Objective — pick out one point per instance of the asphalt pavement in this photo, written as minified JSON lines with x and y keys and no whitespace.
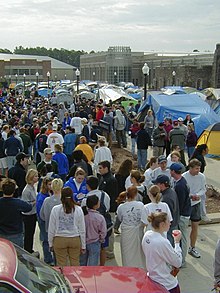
{"x":197,"y":276}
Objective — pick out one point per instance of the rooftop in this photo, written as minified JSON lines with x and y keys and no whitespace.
{"x":55,"y":64}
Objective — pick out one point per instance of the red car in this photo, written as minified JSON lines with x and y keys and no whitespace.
{"x":22,"y":272}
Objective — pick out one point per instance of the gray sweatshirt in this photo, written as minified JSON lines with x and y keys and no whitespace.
{"x":46,"y":209}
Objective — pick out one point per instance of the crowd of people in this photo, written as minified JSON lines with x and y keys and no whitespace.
{"x":77,"y":201}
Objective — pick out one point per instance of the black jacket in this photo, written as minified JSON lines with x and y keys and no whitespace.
{"x":143,"y":139}
{"x":18,"y":173}
{"x":109,"y":184}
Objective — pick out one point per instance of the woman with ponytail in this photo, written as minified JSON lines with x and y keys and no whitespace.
{"x":66,"y":233}
{"x":155,"y":206}
{"x":162,"y":260}
{"x":129,"y":214}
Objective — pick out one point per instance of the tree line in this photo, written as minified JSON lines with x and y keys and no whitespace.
{"x":71,"y":57}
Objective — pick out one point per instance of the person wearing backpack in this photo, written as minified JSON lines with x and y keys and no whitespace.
{"x":96,"y":231}
{"x":137,"y":179}
{"x":92,"y":183}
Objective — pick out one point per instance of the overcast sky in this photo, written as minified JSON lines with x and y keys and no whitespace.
{"x":144,"y":25}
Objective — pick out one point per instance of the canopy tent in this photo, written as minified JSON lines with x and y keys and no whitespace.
{"x":179,"y":105}
{"x":113,"y":93}
{"x":211,"y":137}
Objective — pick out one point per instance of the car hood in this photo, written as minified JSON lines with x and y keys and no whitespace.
{"x":111,"y":280}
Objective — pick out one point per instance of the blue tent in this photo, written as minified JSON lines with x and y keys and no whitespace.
{"x":179,"y":105}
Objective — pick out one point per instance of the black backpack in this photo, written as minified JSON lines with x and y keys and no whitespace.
{"x":145,"y":197}
{"x":106,"y":215}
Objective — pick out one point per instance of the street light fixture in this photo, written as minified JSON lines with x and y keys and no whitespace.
{"x":77,"y":80}
{"x":174,"y":77}
{"x":48,"y":82}
{"x":65,"y":76}
{"x":9,"y":77}
{"x":37,"y":76}
{"x":145,"y":71}
{"x":24,"y":75}
{"x":93,"y":75}
{"x":16,"y":78}
{"x":115,"y":77}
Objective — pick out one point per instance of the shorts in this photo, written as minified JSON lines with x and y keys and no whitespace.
{"x":106,"y":243}
{"x":196,"y":213}
{"x":3,"y":163}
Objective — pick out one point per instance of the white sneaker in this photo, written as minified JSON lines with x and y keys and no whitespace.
{"x":193,"y":252}
{"x":205,"y":219}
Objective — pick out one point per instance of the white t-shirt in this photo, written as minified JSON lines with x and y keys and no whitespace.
{"x":129,"y":213}
{"x":152,"y":208}
{"x":54,"y":138}
{"x":102,"y":154}
{"x":147,"y":176}
{"x":76,"y":123}
{"x":197,"y":185}
{"x":128,"y":182}
{"x":98,"y":193}
{"x":160,"y":257}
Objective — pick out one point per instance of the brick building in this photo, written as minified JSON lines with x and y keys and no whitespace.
{"x":13,"y":67}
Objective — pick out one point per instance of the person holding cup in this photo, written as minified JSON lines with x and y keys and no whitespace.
{"x":162,"y":260}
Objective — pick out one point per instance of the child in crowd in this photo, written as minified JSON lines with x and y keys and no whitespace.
{"x":95,"y":232}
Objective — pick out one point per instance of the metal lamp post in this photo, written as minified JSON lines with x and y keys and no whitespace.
{"x":145,"y":70}
{"x":55,"y":78}
{"x":115,"y":77}
{"x":16,"y":78}
{"x":93,"y":74}
{"x":65,"y":76}
{"x":48,"y":82}
{"x":37,"y":77}
{"x":9,"y":78}
{"x":77,"y":80}
{"x":174,"y":77}
{"x":24,"y":75}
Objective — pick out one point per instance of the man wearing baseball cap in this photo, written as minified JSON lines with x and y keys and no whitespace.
{"x":169,"y":196}
{"x":48,"y":153}
{"x":161,"y":170}
{"x":182,"y":190}
{"x":182,"y":126}
{"x":178,"y":137}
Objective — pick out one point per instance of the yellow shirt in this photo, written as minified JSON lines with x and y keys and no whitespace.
{"x":87,"y":150}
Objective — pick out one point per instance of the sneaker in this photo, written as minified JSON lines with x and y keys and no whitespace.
{"x":116,"y":231}
{"x":36,"y":254}
{"x":205,"y":219}
{"x":193,"y":252}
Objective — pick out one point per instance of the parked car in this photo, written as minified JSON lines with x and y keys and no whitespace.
{"x":22,"y":272}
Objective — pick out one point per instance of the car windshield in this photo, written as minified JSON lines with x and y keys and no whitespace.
{"x":38,"y":277}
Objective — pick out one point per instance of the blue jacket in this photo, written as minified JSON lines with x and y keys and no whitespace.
{"x":62,"y":162}
{"x":12,"y":146}
{"x":66,"y":122}
{"x":78,"y":195}
{"x":39,"y":201}
{"x":69,"y":143}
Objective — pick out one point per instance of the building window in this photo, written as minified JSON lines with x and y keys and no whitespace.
{"x":22,"y":71}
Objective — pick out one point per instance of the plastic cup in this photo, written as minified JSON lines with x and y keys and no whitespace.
{"x":175,"y":232}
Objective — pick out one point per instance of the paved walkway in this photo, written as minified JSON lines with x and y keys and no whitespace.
{"x":197,"y":277}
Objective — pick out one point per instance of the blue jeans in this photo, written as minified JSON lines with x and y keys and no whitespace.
{"x":142,"y":158}
{"x":190,"y":151}
{"x":48,"y":258}
{"x":17,"y":239}
{"x":11,"y":161}
{"x":91,"y":257}
{"x":133,"y":144}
